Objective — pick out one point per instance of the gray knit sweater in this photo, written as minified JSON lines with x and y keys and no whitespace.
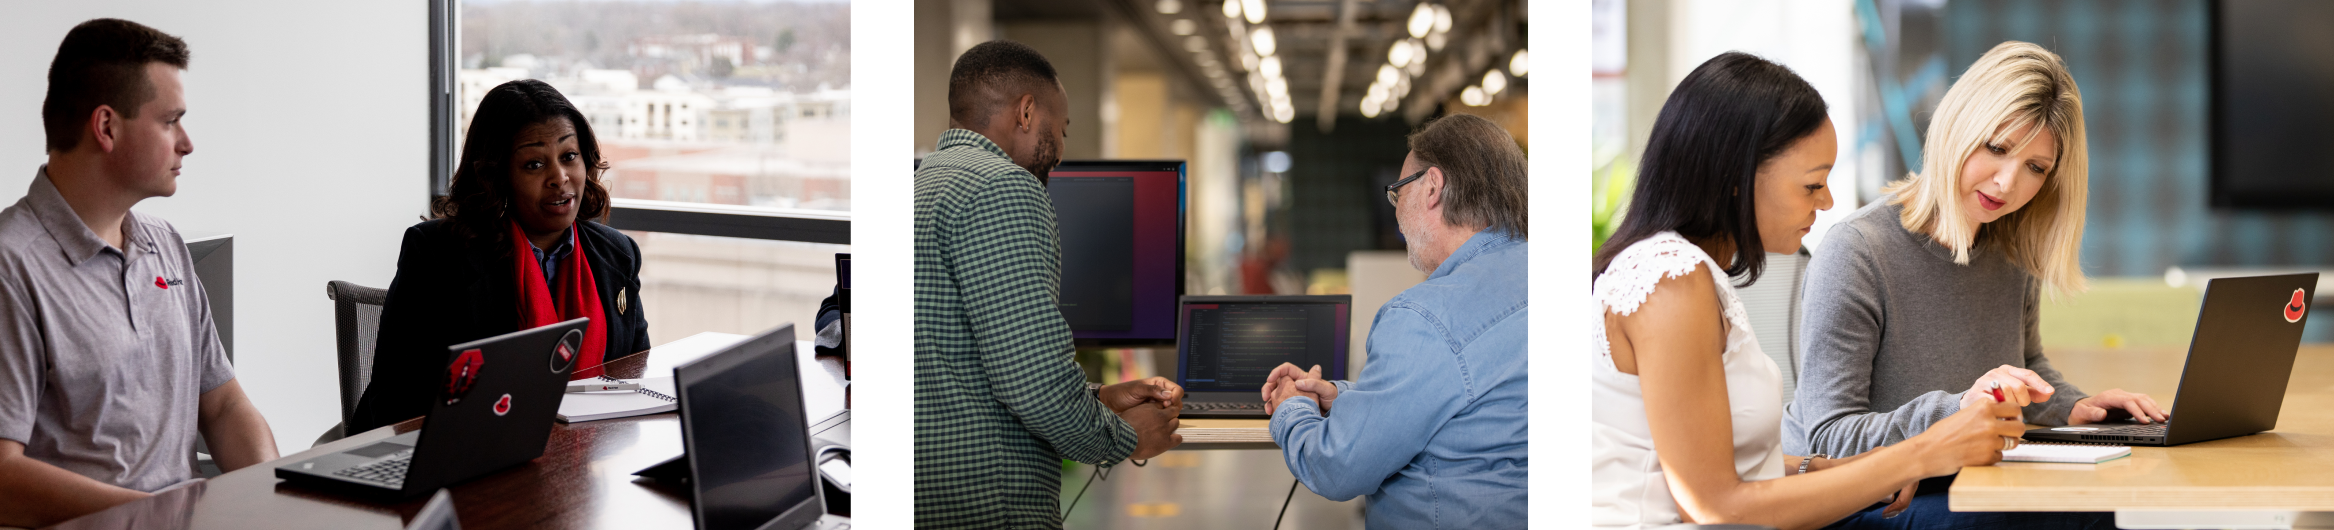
{"x":1895,"y":331}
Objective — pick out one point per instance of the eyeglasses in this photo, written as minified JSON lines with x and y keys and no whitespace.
{"x":1398,"y":184}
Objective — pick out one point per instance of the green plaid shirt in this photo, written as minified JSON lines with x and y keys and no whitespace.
{"x":1000,"y":400}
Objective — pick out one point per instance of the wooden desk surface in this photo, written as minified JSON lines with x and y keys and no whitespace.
{"x":583,"y":480}
{"x":2289,"y":468}
{"x":1208,"y":432}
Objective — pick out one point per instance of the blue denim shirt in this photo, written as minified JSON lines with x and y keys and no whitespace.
{"x":1435,"y":431}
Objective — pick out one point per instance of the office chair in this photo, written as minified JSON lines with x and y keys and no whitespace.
{"x":356,"y":315}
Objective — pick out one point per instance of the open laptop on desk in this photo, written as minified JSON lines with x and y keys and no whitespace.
{"x":1228,"y":345}
{"x":2238,"y":364}
{"x":749,"y":458}
{"x":493,"y":412}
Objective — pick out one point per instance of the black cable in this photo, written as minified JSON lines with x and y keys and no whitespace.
{"x":1284,"y":505}
{"x":1101,"y":473}
{"x":1090,"y":480}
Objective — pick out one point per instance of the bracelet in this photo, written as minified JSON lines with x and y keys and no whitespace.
{"x":1805,"y":463}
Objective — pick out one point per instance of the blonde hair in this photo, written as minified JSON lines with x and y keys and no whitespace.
{"x":2014,"y":85}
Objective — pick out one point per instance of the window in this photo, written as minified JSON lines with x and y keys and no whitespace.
{"x":725,"y":123}
{"x":693,"y":283}
{"x":661,"y":81}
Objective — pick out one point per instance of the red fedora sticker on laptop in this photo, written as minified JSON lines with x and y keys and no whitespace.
{"x":463,"y":374}
{"x":563,"y":354}
{"x":502,"y":406}
{"x":2296,"y":307}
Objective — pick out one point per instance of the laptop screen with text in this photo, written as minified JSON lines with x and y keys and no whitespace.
{"x":1232,"y":346}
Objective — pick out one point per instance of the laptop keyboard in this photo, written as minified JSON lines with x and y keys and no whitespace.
{"x":1203,"y":406}
{"x":387,"y":470}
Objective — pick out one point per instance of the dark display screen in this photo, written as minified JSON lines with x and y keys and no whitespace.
{"x":748,"y":445}
{"x":1233,"y":346}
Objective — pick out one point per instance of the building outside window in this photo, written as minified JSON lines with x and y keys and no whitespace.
{"x":738,"y":108}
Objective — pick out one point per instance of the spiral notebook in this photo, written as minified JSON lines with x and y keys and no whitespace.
{"x":655,"y":396}
{"x":2069,"y":453}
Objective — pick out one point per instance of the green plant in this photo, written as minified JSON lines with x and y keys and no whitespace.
{"x":1609,"y":200}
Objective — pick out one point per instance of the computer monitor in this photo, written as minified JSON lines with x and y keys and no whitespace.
{"x":214,"y":262}
{"x":1121,"y":226}
{"x":843,"y":295}
{"x":747,"y":445}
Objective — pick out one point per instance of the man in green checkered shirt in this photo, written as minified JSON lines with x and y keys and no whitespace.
{"x":1000,"y":400}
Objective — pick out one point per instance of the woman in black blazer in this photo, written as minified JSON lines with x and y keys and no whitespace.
{"x":513,"y":246}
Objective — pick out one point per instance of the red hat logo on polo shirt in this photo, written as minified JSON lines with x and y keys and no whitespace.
{"x":158,"y":283}
{"x":2294,"y":309}
{"x":502,"y":406}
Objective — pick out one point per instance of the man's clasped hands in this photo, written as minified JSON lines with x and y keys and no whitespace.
{"x":1155,"y":425}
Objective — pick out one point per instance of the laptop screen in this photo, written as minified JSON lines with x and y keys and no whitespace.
{"x":748,"y":446}
{"x":1231,"y":343}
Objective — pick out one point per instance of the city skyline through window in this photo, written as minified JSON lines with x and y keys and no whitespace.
{"x":741,"y":104}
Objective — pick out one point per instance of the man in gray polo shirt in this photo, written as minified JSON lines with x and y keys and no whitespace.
{"x":109,"y":362}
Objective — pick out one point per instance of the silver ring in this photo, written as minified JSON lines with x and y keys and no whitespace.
{"x":2009,"y":443}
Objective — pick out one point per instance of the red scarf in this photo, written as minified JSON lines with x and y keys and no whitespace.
{"x":577,"y":295}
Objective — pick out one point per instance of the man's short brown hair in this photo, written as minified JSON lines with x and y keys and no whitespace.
{"x":103,"y":62}
{"x":1483,"y":172}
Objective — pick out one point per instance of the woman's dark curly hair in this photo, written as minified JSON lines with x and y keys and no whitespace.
{"x":476,"y":203}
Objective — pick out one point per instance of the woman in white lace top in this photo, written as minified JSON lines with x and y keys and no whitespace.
{"x":1735,"y":168}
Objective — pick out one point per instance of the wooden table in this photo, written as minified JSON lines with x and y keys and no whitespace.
{"x":2290,"y":468}
{"x":583,"y":480}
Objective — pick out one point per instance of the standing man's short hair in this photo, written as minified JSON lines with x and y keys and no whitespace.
{"x":103,"y":62}
{"x":993,"y":73}
{"x":1483,"y":172}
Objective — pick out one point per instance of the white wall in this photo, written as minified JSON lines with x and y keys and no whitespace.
{"x":310,"y":133}
{"x":1816,"y":38}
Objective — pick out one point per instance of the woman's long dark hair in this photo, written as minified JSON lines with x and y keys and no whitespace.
{"x":477,"y":201}
{"x":1700,"y":171}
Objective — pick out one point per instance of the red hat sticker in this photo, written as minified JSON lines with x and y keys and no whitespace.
{"x":563,"y":354}
{"x":2294,"y":309}
{"x":502,"y":406}
{"x":463,"y":374}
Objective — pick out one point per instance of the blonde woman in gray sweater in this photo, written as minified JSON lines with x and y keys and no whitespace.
{"x":1920,"y":302}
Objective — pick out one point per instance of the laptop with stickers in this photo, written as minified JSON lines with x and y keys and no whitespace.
{"x":494,"y":410}
{"x":2239,"y":362}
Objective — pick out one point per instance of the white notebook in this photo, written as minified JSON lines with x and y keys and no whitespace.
{"x":2065,"y":453}
{"x":655,"y":396}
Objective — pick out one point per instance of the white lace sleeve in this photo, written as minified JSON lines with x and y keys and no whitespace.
{"x":1632,"y":275}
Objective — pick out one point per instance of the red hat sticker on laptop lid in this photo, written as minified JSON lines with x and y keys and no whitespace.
{"x":463,"y":374}
{"x":2295,"y":308}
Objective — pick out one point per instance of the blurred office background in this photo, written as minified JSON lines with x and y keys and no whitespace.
{"x":2157,"y":228}
{"x":312,"y":148}
{"x":1292,"y":115}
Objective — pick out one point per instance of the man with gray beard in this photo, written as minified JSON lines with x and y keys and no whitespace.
{"x":1435,"y":432}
